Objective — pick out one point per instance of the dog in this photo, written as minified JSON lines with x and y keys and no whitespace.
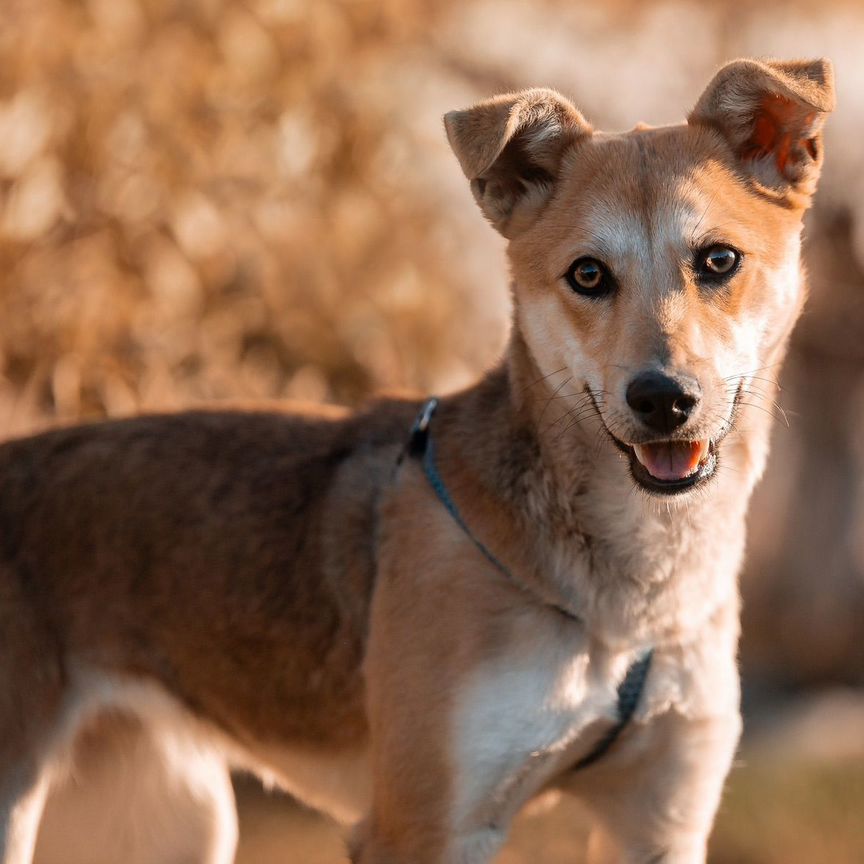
{"x":418,"y":616}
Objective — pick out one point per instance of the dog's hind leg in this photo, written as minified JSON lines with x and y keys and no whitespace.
{"x":136,"y":794}
{"x":21,"y":804}
{"x":31,"y":700}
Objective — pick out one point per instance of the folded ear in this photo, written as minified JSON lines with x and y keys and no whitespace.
{"x":511,"y":148}
{"x":772,"y":113}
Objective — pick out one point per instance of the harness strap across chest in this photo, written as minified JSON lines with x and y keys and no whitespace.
{"x":422,"y":447}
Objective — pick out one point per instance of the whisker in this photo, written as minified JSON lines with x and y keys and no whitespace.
{"x":586,"y":398}
{"x":535,"y":383}
{"x":759,"y":369}
{"x":582,"y":404}
{"x":578,"y":415}
{"x":567,"y":380}
{"x":722,"y":466}
{"x":587,"y":414}
{"x":772,"y":414}
{"x":569,"y":395}
{"x":600,"y":438}
{"x":753,"y":371}
{"x":702,"y":218}
{"x":773,"y":381}
{"x":783,"y":414}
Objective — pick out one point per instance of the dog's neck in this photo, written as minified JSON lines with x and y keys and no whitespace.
{"x":628,"y":563}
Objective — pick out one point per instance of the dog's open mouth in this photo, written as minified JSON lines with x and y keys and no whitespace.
{"x":670,"y":467}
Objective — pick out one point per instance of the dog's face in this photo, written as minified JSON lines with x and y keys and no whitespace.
{"x":656,"y":273}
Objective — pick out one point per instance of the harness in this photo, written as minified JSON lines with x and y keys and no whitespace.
{"x":421,"y":447}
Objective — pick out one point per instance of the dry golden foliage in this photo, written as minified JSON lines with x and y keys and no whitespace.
{"x":216,"y":199}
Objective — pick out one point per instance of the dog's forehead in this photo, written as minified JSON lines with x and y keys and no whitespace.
{"x":643,"y":192}
{"x":650,"y":181}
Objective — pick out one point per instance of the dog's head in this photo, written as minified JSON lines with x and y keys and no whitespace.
{"x":658,"y":269}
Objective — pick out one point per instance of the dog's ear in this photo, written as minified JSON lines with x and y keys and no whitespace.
{"x":511,"y":148}
{"x":772,"y":112}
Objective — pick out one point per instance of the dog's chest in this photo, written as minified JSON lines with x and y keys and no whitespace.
{"x":519,"y":719}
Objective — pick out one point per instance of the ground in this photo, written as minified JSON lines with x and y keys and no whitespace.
{"x":774,"y":812}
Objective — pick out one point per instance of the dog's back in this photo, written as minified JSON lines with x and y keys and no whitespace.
{"x":228,"y":556}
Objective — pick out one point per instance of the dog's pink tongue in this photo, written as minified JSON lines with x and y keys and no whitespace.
{"x":671,"y":460}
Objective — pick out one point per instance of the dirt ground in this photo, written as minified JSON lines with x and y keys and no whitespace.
{"x":274,"y":829}
{"x":773,"y":813}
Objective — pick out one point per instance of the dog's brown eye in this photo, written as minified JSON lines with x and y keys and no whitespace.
{"x":588,"y":276}
{"x":717,"y":262}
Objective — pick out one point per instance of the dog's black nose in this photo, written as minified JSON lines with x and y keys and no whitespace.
{"x":663,"y":403}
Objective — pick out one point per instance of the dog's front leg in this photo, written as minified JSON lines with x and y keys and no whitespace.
{"x":469,"y":690}
{"x":656,"y":798}
{"x":471,"y":709}
{"x":429,"y":782}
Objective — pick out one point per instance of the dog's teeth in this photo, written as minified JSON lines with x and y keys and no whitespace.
{"x":641,"y":455}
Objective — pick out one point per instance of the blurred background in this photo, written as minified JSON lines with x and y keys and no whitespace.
{"x":226,"y":200}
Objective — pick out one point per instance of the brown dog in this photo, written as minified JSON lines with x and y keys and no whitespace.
{"x":423,"y":644}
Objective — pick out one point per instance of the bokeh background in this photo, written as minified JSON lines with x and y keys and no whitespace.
{"x":222,"y":200}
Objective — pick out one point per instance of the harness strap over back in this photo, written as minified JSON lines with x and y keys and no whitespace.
{"x":421,"y":447}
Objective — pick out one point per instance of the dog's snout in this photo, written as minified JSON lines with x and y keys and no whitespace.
{"x":663,"y":403}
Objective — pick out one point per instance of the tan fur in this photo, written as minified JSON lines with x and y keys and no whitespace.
{"x":269,"y":590}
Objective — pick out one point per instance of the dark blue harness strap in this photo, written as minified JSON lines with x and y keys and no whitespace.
{"x":430,"y":469}
{"x":629,"y":694}
{"x":421,"y":446}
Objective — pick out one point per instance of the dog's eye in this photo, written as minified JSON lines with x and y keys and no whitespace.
{"x":588,"y":276}
{"x":716,"y":263}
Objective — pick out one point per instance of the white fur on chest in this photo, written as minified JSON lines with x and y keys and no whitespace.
{"x":522,"y":716}
{"x":518,"y":716}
